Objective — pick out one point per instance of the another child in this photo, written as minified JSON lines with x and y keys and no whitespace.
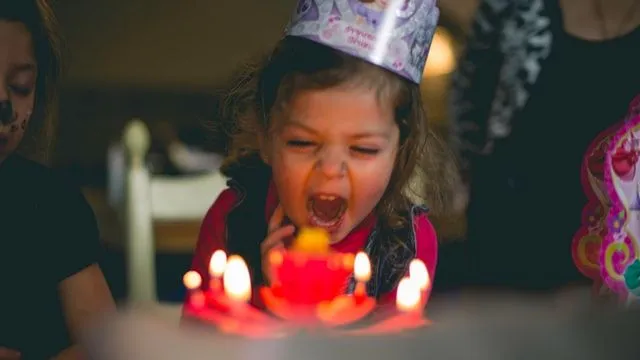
{"x":51,"y":283}
{"x":326,"y":138}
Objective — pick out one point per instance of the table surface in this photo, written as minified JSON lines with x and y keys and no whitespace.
{"x":473,"y":326}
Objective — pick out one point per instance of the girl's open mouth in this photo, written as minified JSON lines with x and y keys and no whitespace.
{"x":326,"y":211}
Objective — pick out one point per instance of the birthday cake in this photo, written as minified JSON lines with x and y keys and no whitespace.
{"x":307,"y":291}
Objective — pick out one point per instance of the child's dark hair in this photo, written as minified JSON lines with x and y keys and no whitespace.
{"x":423,"y":170}
{"x":38,"y":17}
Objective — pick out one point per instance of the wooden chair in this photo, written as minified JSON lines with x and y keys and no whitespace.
{"x":152,"y":198}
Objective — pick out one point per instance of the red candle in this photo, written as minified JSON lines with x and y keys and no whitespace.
{"x":362,"y":274}
{"x":192,"y":281}
{"x":409,"y":297}
{"x":217,"y":265}
{"x":420,"y":275}
{"x":409,"y":305}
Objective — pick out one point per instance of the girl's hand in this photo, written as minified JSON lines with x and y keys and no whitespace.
{"x":275,"y":239}
{"x":9,"y":354}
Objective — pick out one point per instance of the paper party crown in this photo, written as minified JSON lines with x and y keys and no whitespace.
{"x":393,"y":34}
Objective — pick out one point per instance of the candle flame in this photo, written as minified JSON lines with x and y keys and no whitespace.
{"x":237,"y":281}
{"x":408,"y":295}
{"x":418,"y":271}
{"x":192,"y":280}
{"x":362,"y":267}
{"x":218,"y":263}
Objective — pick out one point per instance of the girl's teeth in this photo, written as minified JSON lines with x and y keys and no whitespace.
{"x":319,"y":222}
{"x":327,"y":197}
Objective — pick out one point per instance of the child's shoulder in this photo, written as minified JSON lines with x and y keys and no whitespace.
{"x":426,"y":240}
{"x":420,"y":218}
{"x":423,"y":227}
{"x":214,"y":221}
{"x":223,"y":203}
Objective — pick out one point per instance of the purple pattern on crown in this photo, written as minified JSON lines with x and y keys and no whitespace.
{"x":356,"y":28}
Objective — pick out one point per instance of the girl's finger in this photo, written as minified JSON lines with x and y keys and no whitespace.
{"x":276,"y":238}
{"x":276,"y":219}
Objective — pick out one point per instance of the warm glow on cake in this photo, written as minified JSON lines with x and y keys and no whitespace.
{"x":307,"y":291}
{"x":312,"y":241}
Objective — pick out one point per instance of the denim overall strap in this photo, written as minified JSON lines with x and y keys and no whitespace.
{"x":390,"y":252}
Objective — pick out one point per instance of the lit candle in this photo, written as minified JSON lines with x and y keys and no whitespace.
{"x":192,"y":281}
{"x":408,"y":297}
{"x":362,"y":274}
{"x":418,"y":272}
{"x":217,"y":266}
{"x":237,"y":281}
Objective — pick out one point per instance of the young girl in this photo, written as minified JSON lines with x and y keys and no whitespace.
{"x":51,"y":284}
{"x":324,"y":138}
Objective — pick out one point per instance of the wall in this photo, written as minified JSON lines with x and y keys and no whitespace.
{"x":91,"y":119}
{"x":177,"y":44}
{"x":163,"y":60}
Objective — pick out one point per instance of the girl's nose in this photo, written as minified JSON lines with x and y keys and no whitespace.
{"x":332,"y":163}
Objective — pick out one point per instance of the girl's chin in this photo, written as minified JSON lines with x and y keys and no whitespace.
{"x":332,"y":226}
{"x":340,"y":234}
{"x":336,"y":238}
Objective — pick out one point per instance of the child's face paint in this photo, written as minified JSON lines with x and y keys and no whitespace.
{"x":18,"y":74}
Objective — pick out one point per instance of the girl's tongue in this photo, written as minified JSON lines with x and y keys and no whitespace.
{"x":327,"y":208}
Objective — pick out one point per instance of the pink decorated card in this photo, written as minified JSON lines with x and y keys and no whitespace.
{"x":605,"y":246}
{"x":588,"y":239}
{"x":619,"y":264}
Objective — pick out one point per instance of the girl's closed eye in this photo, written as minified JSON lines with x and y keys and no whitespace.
{"x":300,"y":143}
{"x":365,"y":150}
{"x":22,"y":90}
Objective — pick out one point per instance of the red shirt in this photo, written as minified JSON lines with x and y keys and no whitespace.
{"x":212,"y":235}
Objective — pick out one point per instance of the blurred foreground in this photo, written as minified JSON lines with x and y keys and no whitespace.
{"x":475,"y":327}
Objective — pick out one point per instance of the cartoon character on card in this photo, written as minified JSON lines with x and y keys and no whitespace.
{"x":594,"y":167}
{"x":600,"y":247}
{"x":624,"y":161}
{"x":588,"y":239}
{"x":619,"y":251}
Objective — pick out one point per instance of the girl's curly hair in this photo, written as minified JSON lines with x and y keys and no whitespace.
{"x":424,"y":171}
